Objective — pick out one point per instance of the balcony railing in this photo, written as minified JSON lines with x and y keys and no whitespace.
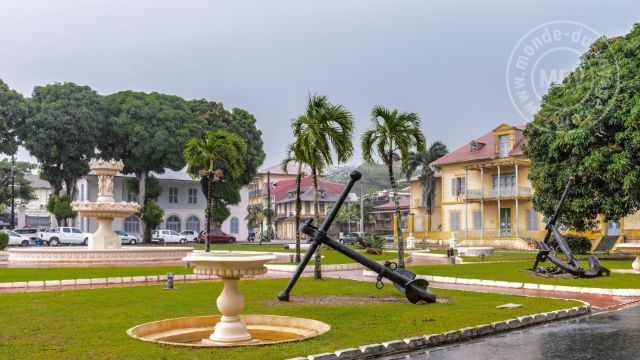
{"x":495,"y":193}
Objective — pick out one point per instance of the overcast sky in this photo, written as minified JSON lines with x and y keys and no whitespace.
{"x":446,"y":60}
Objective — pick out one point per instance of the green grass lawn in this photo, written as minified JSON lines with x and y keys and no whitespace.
{"x":33,"y":274}
{"x":92,"y":323}
{"x":513,"y":271}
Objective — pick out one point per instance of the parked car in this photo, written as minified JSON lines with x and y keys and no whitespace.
{"x":352,"y":238}
{"x":16,"y":239}
{"x":191,"y":235}
{"x":31,"y":233}
{"x":64,"y":235}
{"x":168,"y":236}
{"x":217,"y":236}
{"x":126,"y":238}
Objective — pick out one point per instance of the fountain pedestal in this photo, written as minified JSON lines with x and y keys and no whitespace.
{"x":230,"y":266}
{"x":630,"y":249}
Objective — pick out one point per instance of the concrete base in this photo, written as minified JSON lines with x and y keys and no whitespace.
{"x":475,"y":250}
{"x":194,"y":331}
{"x":84,"y":255}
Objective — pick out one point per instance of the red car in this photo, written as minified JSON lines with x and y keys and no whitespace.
{"x":217,"y":236}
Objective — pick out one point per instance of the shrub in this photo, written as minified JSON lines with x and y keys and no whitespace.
{"x":4,"y":240}
{"x":577,"y":244}
{"x":371,"y":244}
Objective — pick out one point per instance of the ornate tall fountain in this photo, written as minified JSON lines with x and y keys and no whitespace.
{"x":104,"y":246}
{"x":105,"y":209}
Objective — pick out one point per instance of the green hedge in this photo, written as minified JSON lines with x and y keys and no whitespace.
{"x":4,"y":240}
{"x":577,"y":244}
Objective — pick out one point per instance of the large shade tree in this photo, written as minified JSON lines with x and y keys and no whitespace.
{"x":427,"y":176}
{"x":322,"y":132}
{"x":392,"y":136}
{"x":148,"y":133}
{"x":211,"y":159}
{"x":588,"y":129}
{"x":24,"y":191}
{"x":13,"y":113}
{"x":66,"y":125}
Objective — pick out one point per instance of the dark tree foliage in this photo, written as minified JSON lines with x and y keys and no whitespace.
{"x":13,"y":113}
{"x":588,"y":128}
{"x":67,"y":121}
{"x":24,"y":192}
{"x":60,"y":207}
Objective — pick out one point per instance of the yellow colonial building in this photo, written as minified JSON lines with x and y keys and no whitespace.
{"x":484,"y":197}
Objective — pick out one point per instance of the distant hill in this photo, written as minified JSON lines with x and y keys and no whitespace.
{"x":375,"y":177}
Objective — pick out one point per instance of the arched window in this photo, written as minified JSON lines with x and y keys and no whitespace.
{"x":173,"y":223}
{"x":193,"y":223}
{"x":235,"y":225}
{"x":132,"y":224}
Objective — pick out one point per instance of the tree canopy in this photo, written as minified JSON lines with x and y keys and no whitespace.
{"x":66,"y":122}
{"x":24,"y":192}
{"x":13,"y":112}
{"x":588,"y":128}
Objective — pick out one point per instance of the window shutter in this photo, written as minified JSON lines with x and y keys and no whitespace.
{"x":453,"y":187}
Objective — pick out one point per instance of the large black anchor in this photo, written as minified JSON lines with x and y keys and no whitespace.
{"x":405,"y":280}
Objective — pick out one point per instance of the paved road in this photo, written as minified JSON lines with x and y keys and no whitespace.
{"x":606,"y":335}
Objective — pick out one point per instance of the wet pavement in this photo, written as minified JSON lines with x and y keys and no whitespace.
{"x":606,"y":335}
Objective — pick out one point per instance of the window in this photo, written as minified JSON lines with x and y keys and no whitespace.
{"x":131,"y":197}
{"x":477,"y":220}
{"x":235,"y":225}
{"x":504,"y":145}
{"x":193,"y":196}
{"x":67,"y":230}
{"x":82,"y":195}
{"x":474,"y":146}
{"x":132,"y":224}
{"x":454,"y":221}
{"x":458,"y":185}
{"x":76,"y":231}
{"x":321,"y":206}
{"x":173,"y":195}
{"x":193,"y":223}
{"x":507,"y":184}
{"x":532,"y":219}
{"x":173,"y":223}
{"x":307,"y":207}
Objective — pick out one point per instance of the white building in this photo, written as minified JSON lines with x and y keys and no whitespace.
{"x":182,"y":200}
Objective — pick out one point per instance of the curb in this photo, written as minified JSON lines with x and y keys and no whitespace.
{"x":104,"y":281}
{"x":519,"y":285}
{"x":449,"y":337}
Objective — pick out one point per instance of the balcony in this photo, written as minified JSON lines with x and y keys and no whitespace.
{"x":495,"y":193}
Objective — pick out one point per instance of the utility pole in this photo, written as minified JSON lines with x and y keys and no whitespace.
{"x":361,"y":209}
{"x":13,"y":193}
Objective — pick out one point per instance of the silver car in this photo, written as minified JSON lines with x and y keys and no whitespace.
{"x":126,"y":238}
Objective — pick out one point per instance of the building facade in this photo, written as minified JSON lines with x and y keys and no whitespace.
{"x":182,"y":200}
{"x":485,"y":195}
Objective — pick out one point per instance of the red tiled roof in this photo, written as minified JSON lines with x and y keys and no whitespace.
{"x":485,"y":150}
{"x":280,"y":190}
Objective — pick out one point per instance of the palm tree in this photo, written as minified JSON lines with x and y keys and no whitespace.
{"x":393,"y":134}
{"x":209,"y":158}
{"x":427,"y":173}
{"x":323,"y":129}
{"x":292,"y":157}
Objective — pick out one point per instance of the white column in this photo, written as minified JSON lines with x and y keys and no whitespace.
{"x":517,"y":223}
{"x":482,"y":202}
{"x":466,"y":201}
{"x":499,"y":232}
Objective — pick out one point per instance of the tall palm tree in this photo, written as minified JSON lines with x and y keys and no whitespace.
{"x":423,"y":160}
{"x":392,"y":136}
{"x":209,"y":158}
{"x":324,"y":129}
{"x":292,"y":157}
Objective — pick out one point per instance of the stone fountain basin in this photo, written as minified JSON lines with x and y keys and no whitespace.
{"x":229,"y":264}
{"x":266,"y":329}
{"x":630,"y":249}
{"x":105,"y":210}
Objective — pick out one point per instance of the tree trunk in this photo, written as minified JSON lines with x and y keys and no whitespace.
{"x":317,"y":272}
{"x":398,"y":215}
{"x":142,"y":197}
{"x":298,"y":210}
{"x":71,"y":188}
{"x":208,"y":213}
